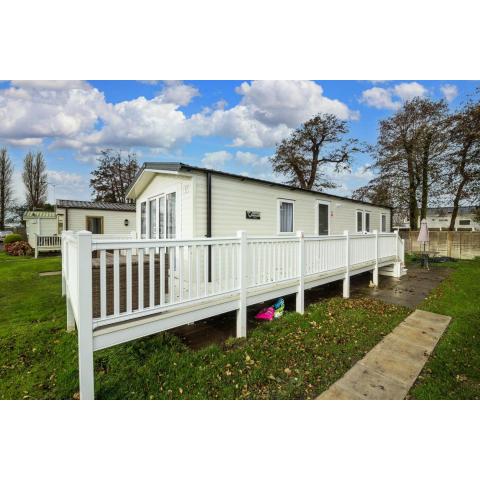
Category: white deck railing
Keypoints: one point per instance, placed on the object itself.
(121, 289)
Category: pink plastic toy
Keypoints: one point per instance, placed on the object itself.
(266, 314)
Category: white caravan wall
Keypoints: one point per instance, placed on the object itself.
(231, 198)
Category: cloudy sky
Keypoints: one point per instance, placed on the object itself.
(226, 125)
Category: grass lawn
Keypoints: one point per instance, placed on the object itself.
(294, 357)
(453, 371)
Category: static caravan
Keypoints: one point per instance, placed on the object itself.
(40, 222)
(175, 200)
(96, 217)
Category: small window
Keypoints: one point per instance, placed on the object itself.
(286, 216)
(464, 222)
(143, 219)
(95, 225)
(367, 221)
(384, 223)
(359, 221)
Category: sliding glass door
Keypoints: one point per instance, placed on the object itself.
(163, 216)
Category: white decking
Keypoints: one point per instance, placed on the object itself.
(119, 290)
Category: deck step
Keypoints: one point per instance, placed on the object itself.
(388, 271)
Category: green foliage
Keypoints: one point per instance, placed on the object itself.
(12, 237)
(453, 370)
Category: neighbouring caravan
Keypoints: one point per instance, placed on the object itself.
(96, 217)
(40, 222)
(175, 200)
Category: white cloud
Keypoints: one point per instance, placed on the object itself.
(378, 97)
(31, 111)
(216, 160)
(50, 84)
(407, 91)
(449, 91)
(392, 98)
(250, 158)
(178, 93)
(141, 122)
(268, 111)
(73, 114)
(67, 185)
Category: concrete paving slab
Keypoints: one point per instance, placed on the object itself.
(389, 370)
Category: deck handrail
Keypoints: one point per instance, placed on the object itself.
(111, 282)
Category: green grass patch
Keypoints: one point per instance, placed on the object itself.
(453, 370)
(297, 356)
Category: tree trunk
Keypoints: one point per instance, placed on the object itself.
(456, 202)
(459, 192)
(412, 194)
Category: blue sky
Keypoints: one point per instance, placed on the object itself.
(227, 125)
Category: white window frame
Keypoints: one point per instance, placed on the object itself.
(381, 223)
(317, 226)
(172, 189)
(279, 202)
(356, 220)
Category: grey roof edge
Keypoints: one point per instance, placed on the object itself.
(87, 205)
(178, 166)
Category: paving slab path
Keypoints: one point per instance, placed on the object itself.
(389, 370)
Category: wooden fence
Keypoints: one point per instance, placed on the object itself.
(462, 245)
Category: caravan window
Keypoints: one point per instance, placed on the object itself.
(367, 221)
(285, 216)
(171, 215)
(359, 221)
(384, 223)
(167, 215)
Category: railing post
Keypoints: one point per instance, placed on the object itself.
(396, 244)
(84, 320)
(243, 279)
(300, 297)
(346, 280)
(375, 270)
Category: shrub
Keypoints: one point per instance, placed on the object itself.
(12, 237)
(18, 249)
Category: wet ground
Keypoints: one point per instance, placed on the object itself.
(407, 291)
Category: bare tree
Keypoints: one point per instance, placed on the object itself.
(35, 180)
(462, 178)
(316, 144)
(113, 176)
(412, 144)
(6, 191)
